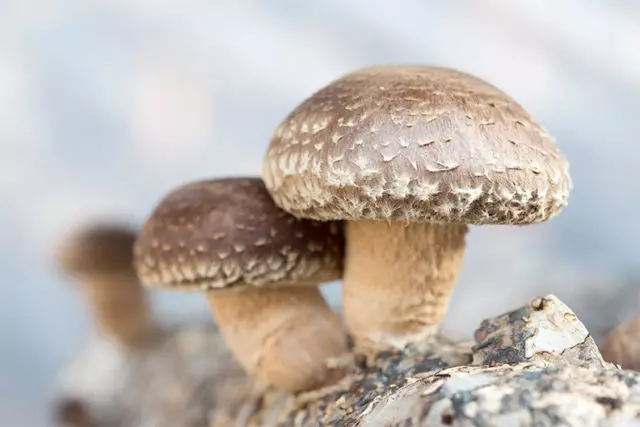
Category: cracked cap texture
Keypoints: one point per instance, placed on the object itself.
(228, 233)
(415, 143)
(97, 250)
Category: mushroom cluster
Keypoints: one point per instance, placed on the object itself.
(403, 158)
(374, 179)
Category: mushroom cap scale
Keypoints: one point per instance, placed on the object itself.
(229, 234)
(100, 249)
(415, 143)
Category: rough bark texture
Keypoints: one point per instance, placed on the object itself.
(535, 366)
(539, 367)
(512, 396)
(185, 377)
(545, 332)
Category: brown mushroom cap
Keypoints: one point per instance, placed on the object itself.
(100, 249)
(415, 143)
(228, 233)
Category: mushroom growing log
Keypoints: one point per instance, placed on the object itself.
(535, 366)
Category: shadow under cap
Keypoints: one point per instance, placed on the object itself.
(415, 143)
(228, 233)
(97, 250)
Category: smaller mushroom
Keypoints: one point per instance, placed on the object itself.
(101, 258)
(622, 345)
(260, 268)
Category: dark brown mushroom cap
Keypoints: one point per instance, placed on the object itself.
(100, 249)
(415, 143)
(228, 233)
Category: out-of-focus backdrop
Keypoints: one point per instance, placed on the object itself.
(106, 105)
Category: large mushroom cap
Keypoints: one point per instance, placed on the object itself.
(415, 143)
(227, 233)
(99, 249)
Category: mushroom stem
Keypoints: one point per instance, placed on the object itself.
(120, 307)
(398, 279)
(284, 336)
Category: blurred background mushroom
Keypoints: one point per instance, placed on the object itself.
(136, 370)
(260, 269)
(106, 105)
(100, 257)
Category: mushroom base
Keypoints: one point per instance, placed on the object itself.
(284, 336)
(120, 307)
(398, 280)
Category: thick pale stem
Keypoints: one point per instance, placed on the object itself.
(284, 336)
(398, 279)
(120, 307)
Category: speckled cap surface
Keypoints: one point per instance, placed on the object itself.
(228, 233)
(415, 143)
(98, 249)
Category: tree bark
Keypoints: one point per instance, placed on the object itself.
(534, 366)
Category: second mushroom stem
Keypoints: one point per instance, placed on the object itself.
(398, 279)
(285, 336)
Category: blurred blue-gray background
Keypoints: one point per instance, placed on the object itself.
(106, 105)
